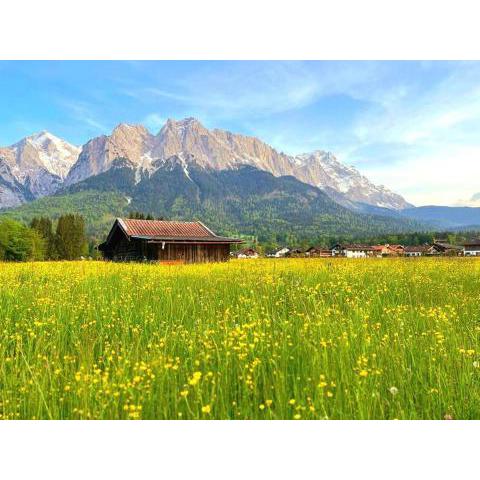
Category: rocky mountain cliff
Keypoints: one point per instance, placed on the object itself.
(222, 150)
(41, 164)
(34, 167)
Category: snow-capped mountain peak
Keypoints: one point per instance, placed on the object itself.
(344, 182)
(33, 167)
(54, 154)
(43, 161)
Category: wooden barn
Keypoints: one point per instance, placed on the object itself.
(165, 241)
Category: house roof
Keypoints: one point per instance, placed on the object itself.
(416, 248)
(163, 230)
(357, 246)
(446, 246)
(472, 243)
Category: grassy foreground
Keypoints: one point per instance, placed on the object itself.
(251, 339)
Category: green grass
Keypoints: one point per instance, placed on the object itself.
(266, 339)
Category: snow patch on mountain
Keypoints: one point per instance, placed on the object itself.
(34, 167)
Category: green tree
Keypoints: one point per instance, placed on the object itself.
(19, 242)
(44, 226)
(71, 241)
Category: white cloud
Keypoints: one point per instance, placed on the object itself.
(441, 178)
(154, 122)
(82, 112)
(430, 139)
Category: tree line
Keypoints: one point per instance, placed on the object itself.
(66, 239)
(41, 241)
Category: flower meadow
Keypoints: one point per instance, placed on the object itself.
(252, 339)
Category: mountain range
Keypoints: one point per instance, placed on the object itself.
(188, 170)
(40, 164)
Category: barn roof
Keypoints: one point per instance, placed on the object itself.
(163, 230)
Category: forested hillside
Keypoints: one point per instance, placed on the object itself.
(239, 201)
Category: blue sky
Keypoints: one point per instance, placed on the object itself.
(413, 126)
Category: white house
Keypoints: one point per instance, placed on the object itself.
(353, 250)
(247, 253)
(415, 250)
(472, 249)
(281, 252)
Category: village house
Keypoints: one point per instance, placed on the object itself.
(246, 253)
(165, 241)
(295, 252)
(396, 250)
(472, 248)
(318, 252)
(415, 250)
(280, 252)
(380, 250)
(441, 247)
(387, 250)
(353, 250)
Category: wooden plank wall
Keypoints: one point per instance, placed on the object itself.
(193, 253)
(136, 250)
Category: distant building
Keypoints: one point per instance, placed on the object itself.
(440, 247)
(354, 250)
(246, 253)
(472, 248)
(280, 252)
(415, 250)
(295, 252)
(318, 252)
(165, 241)
(388, 250)
(380, 250)
(396, 250)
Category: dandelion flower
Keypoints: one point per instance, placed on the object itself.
(195, 378)
(393, 390)
(206, 409)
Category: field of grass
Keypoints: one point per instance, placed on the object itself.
(251, 339)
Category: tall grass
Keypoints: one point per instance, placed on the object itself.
(251, 339)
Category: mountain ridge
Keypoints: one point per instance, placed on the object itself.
(217, 149)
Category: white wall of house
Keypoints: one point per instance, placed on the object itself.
(355, 253)
(472, 252)
(242, 255)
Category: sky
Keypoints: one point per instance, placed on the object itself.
(411, 126)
